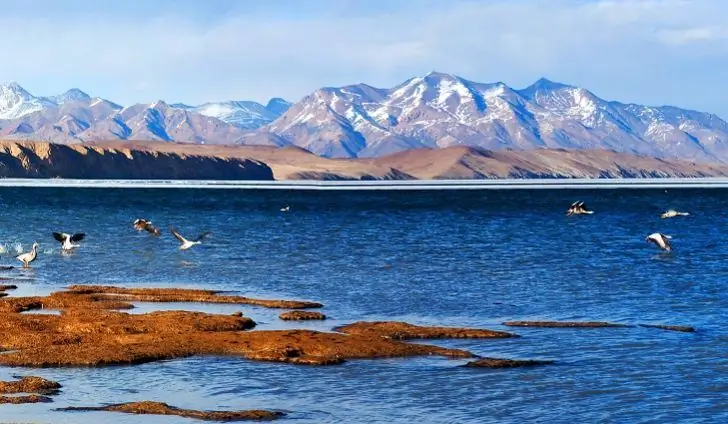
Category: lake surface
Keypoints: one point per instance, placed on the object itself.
(451, 258)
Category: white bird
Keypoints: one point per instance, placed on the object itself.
(672, 213)
(67, 240)
(661, 240)
(286, 209)
(29, 257)
(186, 244)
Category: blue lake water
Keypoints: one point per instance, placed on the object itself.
(452, 258)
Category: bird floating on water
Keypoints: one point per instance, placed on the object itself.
(29, 257)
(286, 209)
(186, 244)
(142, 224)
(578, 208)
(672, 213)
(67, 240)
(661, 240)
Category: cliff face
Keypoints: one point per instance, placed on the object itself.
(47, 160)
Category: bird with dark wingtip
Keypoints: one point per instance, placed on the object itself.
(68, 240)
(578, 208)
(141, 224)
(186, 244)
(660, 240)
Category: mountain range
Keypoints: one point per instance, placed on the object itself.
(436, 110)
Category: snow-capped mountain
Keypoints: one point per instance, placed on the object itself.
(244, 114)
(440, 110)
(72, 95)
(434, 110)
(15, 102)
(74, 116)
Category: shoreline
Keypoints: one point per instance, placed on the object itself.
(494, 184)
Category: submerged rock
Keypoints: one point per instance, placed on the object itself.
(159, 408)
(681, 328)
(563, 324)
(403, 331)
(506, 363)
(188, 295)
(301, 316)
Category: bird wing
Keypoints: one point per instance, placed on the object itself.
(59, 236)
(78, 236)
(202, 236)
(177, 235)
(150, 228)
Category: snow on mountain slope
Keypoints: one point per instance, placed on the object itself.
(441, 110)
(16, 102)
(244, 114)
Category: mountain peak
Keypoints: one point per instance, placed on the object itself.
(542, 85)
(72, 95)
(436, 75)
(547, 84)
(13, 87)
(278, 105)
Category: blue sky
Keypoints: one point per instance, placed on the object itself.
(645, 51)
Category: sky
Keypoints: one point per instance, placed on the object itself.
(651, 52)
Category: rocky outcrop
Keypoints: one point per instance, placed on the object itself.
(398, 330)
(159, 408)
(505, 363)
(89, 332)
(48, 160)
(302, 316)
(28, 389)
(680, 328)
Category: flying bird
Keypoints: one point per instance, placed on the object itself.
(286, 209)
(67, 240)
(672, 213)
(29, 257)
(186, 244)
(578, 208)
(661, 240)
(142, 224)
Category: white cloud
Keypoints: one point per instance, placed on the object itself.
(612, 46)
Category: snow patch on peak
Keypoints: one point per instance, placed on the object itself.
(16, 102)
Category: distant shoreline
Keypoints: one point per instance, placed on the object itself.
(494, 184)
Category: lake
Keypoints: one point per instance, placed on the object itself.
(471, 258)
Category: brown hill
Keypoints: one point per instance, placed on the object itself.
(459, 162)
(47, 160)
